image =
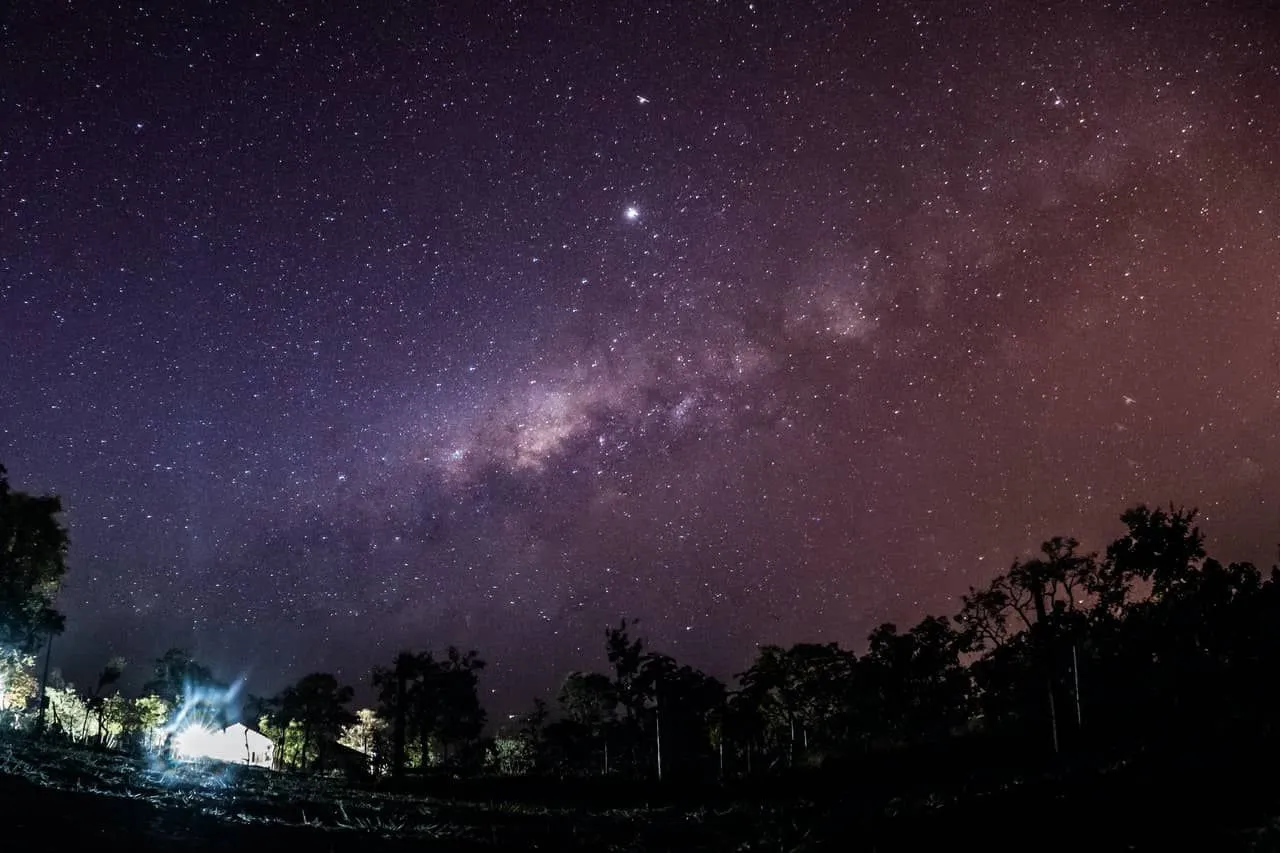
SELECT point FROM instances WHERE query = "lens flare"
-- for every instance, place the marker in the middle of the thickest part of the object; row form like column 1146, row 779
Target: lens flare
column 195, row 730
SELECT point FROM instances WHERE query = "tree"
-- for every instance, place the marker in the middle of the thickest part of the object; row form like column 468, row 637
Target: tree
column 312, row 713
column 176, row 675
column 921, row 689
column 393, row 703
column 579, row 740
column 680, row 703
column 460, row 718
column 17, row 686
column 68, row 713
column 193, row 695
column 589, row 699
column 98, row 699
column 369, row 735
column 33, row 548
column 142, row 722
column 1161, row 547
column 797, row 696
column 1052, row 597
column 626, row 656
column 432, row 705
column 523, row 751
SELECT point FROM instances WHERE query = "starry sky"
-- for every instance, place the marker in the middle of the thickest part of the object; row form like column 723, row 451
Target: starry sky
column 341, row 330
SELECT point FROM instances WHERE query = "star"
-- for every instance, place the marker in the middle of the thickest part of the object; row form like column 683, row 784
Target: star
column 521, row 343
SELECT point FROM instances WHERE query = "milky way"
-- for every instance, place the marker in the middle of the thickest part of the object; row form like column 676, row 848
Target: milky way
column 490, row 324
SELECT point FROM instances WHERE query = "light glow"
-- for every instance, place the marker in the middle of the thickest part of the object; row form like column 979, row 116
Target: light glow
column 235, row 745
column 200, row 742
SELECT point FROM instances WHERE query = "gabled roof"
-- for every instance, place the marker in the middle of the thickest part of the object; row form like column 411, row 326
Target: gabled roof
column 246, row 727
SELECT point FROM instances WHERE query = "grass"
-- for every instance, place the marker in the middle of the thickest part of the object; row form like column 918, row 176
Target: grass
column 244, row 796
column 138, row 805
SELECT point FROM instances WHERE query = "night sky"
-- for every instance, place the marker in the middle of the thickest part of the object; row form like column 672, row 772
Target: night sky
column 342, row 331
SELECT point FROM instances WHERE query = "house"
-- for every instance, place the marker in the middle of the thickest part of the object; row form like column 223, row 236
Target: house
column 235, row 744
column 339, row 759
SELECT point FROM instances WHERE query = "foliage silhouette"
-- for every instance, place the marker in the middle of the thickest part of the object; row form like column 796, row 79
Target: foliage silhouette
column 33, row 548
column 307, row 718
column 1066, row 660
column 432, row 707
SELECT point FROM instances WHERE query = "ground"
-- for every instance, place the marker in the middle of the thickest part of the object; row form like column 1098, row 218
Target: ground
column 105, row 801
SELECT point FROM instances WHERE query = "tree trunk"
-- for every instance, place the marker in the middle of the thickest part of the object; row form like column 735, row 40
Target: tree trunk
column 44, row 682
column 1047, row 659
column 1075, row 671
column 657, row 727
column 306, row 744
column 397, row 731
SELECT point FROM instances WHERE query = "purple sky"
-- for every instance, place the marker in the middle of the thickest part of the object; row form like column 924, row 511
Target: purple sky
column 488, row 324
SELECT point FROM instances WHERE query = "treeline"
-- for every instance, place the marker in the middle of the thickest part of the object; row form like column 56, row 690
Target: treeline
column 1064, row 653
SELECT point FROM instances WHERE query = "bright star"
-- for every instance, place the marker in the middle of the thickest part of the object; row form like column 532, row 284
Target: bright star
column 641, row 99
column 632, row 214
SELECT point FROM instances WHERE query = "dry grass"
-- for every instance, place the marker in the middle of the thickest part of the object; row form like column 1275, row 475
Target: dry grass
column 255, row 797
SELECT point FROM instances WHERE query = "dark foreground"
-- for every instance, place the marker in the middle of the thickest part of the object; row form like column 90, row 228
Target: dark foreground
column 1219, row 799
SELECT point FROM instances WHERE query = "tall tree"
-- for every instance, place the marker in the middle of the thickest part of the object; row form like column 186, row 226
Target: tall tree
column 430, row 703
column 176, row 675
column 799, row 696
column 33, row 548
column 579, row 740
column 314, row 711
column 368, row 735
column 588, row 698
column 921, row 688
column 393, row 685
column 194, row 696
column 680, row 703
column 98, row 699
column 626, row 656
column 459, row 718
column 1163, row 547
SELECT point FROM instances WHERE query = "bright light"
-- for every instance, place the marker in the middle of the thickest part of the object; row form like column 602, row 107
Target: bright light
column 203, row 706
column 632, row 214
column 233, row 745
column 200, row 742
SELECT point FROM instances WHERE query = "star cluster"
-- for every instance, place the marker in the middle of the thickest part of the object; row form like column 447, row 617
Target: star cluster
column 346, row 331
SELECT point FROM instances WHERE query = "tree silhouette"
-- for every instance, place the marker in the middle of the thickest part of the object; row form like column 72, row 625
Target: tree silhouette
column 797, row 697
column 1161, row 547
column 314, row 711
column 393, row 697
column 97, row 703
column 921, row 689
column 588, row 703
column 459, row 716
column 626, row 656
column 176, row 675
column 33, row 547
column 1063, row 658
column 431, row 704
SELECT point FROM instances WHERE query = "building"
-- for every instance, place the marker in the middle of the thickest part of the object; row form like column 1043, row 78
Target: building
column 235, row 744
